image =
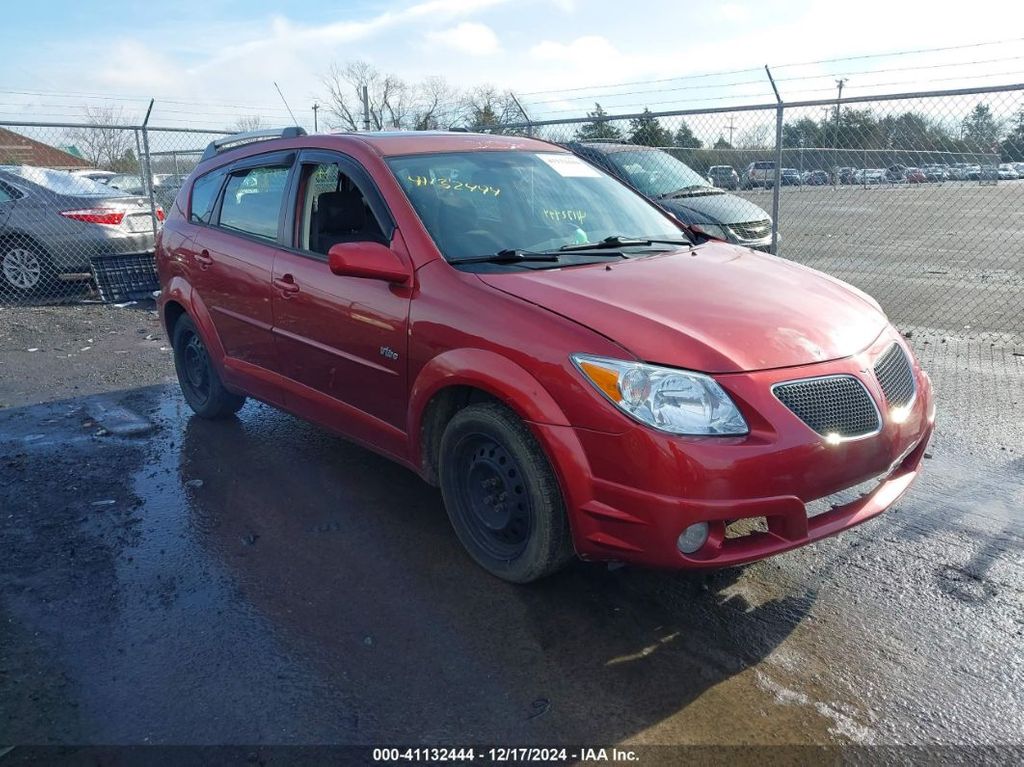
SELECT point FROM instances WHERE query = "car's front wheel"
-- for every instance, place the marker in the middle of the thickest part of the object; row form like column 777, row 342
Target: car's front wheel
column 197, row 376
column 502, row 496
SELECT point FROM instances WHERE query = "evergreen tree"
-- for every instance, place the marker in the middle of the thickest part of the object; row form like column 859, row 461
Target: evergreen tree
column 1013, row 144
column 685, row 137
column 647, row 131
column 598, row 128
column 981, row 129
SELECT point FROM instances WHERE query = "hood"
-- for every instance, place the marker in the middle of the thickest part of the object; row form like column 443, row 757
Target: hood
column 714, row 209
column 717, row 309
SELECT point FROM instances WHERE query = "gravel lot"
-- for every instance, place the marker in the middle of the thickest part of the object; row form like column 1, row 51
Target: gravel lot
column 260, row 581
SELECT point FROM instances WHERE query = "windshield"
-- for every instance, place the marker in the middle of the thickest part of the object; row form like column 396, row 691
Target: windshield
column 61, row 182
column 478, row 203
column 656, row 173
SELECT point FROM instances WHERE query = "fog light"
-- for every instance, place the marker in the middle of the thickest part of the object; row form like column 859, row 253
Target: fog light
column 692, row 538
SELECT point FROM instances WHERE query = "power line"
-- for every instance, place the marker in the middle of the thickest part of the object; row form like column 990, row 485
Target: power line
column 778, row 66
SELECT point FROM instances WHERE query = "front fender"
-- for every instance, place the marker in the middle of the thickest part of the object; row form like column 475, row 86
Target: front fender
column 490, row 372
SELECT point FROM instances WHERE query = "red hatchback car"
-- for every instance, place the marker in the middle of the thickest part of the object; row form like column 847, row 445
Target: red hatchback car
column 576, row 370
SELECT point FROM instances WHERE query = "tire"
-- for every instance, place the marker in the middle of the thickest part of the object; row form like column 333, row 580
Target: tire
column 501, row 495
column 198, row 379
column 24, row 268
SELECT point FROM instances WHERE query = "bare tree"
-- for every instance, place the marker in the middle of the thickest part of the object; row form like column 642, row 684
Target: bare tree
column 489, row 108
column 103, row 143
column 390, row 99
column 247, row 123
column 756, row 137
column 439, row 105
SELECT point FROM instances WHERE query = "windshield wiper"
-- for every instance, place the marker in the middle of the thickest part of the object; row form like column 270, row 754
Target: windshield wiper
column 506, row 256
column 622, row 242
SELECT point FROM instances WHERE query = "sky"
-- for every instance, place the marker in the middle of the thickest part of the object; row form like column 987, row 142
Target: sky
column 205, row 62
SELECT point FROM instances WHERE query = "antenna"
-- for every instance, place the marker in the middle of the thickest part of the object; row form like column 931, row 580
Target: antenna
column 286, row 103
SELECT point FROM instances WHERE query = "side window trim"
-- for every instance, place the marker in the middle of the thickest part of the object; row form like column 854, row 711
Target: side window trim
column 350, row 167
column 280, row 159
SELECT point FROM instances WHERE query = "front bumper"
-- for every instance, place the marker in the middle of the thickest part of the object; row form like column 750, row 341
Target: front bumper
column 631, row 494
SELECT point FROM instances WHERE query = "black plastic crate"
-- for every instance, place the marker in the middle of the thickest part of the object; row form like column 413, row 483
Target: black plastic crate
column 125, row 277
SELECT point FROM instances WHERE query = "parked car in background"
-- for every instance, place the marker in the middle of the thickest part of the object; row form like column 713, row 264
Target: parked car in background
column 577, row 372
column 682, row 191
column 870, row 176
column 1007, row 172
column 165, row 186
column 973, row 173
column 896, row 174
column 847, row 175
column 759, row 174
column 957, row 171
column 915, row 176
column 934, row 172
column 724, row 176
column 791, row 177
column 1019, row 167
column 816, row 178
column 94, row 174
column 52, row 223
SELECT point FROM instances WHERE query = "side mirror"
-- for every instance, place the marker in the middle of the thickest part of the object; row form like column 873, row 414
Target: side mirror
column 367, row 259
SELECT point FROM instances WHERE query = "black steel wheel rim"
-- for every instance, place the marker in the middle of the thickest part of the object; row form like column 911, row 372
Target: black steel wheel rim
column 493, row 505
column 196, row 366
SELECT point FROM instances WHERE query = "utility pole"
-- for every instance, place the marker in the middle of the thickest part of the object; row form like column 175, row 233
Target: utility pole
column 366, row 108
column 316, row 108
column 839, row 105
column 731, row 126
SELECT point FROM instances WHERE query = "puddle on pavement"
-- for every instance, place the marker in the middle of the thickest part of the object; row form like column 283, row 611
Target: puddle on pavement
column 281, row 585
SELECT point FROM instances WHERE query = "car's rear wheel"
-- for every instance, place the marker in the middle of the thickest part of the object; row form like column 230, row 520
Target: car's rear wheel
column 197, row 377
column 24, row 268
column 502, row 496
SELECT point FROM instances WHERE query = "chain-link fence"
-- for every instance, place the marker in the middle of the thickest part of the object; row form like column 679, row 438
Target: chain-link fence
column 915, row 198
column 80, row 206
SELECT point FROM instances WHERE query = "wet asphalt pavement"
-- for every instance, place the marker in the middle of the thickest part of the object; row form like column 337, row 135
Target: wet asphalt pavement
column 258, row 580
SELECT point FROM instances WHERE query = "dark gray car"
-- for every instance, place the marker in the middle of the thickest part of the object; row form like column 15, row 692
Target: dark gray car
column 53, row 223
column 682, row 191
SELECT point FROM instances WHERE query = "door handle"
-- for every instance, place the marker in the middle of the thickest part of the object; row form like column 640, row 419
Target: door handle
column 286, row 285
column 204, row 260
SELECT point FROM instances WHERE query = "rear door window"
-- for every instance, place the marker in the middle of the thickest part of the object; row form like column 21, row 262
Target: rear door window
column 252, row 199
column 204, row 196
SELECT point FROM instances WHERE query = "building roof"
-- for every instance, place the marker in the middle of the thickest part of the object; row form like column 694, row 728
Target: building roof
column 16, row 149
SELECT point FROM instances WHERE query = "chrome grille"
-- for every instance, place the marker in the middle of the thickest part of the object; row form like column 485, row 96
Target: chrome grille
column 752, row 230
column 834, row 406
column 896, row 376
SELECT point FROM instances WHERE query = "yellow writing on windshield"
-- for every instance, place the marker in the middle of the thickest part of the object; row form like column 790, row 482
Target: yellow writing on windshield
column 576, row 216
column 453, row 184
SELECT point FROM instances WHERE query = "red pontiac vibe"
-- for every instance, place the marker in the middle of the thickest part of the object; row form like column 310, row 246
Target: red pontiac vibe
column 576, row 370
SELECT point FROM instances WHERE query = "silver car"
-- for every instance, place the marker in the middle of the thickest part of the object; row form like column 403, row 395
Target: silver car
column 53, row 223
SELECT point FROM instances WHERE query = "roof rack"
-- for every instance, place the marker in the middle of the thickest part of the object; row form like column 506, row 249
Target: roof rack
column 222, row 144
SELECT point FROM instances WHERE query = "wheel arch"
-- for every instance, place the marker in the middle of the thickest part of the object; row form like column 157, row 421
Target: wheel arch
column 461, row 377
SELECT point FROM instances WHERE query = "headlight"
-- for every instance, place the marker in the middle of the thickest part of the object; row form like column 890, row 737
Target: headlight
column 673, row 401
column 713, row 230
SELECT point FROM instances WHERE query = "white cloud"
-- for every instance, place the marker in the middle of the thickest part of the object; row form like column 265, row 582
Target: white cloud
column 583, row 49
column 732, row 12
column 468, row 37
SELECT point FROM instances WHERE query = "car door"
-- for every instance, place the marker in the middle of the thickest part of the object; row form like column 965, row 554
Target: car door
column 232, row 256
column 8, row 194
column 342, row 339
